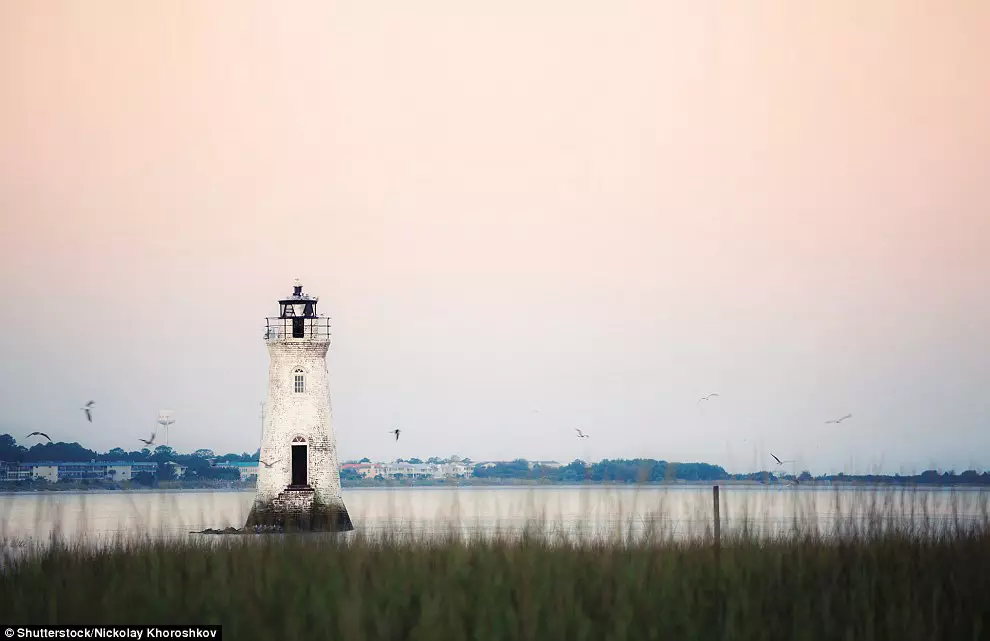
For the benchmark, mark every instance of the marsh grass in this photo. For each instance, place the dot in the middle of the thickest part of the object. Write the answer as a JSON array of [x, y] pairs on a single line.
[[895, 565]]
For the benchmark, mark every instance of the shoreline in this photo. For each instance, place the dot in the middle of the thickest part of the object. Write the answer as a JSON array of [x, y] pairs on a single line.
[[516, 486]]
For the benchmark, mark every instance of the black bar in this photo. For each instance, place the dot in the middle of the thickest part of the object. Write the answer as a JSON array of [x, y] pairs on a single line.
[[111, 631]]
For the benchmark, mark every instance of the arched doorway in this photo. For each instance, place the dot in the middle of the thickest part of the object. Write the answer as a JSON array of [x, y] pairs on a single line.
[[300, 476]]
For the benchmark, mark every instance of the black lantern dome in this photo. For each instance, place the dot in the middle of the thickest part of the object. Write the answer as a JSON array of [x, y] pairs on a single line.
[[299, 305]]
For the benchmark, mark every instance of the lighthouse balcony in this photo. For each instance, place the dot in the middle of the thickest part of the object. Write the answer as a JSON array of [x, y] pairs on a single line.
[[300, 329]]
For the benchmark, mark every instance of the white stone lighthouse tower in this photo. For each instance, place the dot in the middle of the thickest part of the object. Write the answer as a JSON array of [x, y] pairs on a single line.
[[298, 477]]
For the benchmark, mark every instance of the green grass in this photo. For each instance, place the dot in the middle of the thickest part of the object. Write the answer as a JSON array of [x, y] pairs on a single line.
[[872, 579], [866, 575]]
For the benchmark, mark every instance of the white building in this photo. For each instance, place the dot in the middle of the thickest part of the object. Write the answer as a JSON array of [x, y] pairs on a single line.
[[55, 471], [299, 480], [418, 470], [178, 469], [246, 469], [408, 470], [454, 469], [45, 472]]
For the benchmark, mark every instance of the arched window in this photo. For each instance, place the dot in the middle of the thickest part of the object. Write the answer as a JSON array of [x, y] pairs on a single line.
[[300, 381]]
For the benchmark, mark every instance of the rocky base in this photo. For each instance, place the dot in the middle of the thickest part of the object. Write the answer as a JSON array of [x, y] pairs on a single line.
[[295, 510], [244, 530]]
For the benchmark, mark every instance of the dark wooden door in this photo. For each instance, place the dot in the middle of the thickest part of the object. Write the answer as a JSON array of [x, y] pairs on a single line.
[[299, 476]]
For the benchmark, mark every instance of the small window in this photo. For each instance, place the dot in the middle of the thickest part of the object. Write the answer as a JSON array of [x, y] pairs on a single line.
[[300, 381]]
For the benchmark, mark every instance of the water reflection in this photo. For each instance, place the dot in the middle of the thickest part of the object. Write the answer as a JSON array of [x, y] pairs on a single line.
[[571, 511]]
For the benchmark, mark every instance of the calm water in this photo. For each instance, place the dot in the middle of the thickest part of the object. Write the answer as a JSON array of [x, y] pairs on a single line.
[[585, 510]]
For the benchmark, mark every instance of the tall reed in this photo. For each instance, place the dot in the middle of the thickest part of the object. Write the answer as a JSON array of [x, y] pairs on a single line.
[[863, 573]]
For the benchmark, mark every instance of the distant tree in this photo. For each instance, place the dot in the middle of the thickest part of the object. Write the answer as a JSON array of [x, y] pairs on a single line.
[[349, 475], [203, 453], [59, 451], [220, 473], [164, 453], [517, 469], [365, 460], [116, 454], [970, 476], [573, 472], [166, 472], [10, 450], [415, 461], [146, 479], [436, 460]]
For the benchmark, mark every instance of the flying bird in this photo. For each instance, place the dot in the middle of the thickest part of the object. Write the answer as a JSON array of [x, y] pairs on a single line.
[[396, 431], [39, 434], [88, 408], [705, 398], [581, 434], [779, 462], [267, 464], [839, 420], [149, 441]]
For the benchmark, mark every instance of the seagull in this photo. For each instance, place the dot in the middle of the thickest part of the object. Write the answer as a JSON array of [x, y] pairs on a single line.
[[88, 408], [581, 434], [396, 432], [705, 398], [39, 434], [148, 442], [779, 462], [267, 464], [839, 420]]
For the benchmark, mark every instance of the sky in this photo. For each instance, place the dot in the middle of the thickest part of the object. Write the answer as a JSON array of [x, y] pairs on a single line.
[[598, 210]]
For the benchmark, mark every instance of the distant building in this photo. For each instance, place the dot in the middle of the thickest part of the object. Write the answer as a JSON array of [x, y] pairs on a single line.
[[246, 469], [454, 469], [408, 470], [177, 469], [364, 470], [54, 471]]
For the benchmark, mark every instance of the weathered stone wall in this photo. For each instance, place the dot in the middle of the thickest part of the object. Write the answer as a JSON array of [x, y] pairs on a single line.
[[298, 510], [290, 414]]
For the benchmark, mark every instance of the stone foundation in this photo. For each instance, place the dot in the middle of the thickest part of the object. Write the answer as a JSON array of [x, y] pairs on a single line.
[[296, 509]]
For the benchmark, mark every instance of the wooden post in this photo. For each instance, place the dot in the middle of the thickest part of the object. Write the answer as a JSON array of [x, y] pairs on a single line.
[[717, 520]]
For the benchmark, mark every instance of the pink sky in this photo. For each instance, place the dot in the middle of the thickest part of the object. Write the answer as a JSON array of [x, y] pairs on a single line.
[[604, 210]]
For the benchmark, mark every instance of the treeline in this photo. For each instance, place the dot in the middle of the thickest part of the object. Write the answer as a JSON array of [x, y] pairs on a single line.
[[199, 464], [653, 471], [613, 470]]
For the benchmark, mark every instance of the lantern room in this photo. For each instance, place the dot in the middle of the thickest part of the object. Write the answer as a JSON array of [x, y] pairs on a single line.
[[297, 318]]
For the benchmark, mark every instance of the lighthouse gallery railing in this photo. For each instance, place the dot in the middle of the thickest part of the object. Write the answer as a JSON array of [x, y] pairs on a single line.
[[298, 328]]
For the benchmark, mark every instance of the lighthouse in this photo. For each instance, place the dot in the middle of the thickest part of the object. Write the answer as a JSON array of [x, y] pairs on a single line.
[[298, 477]]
